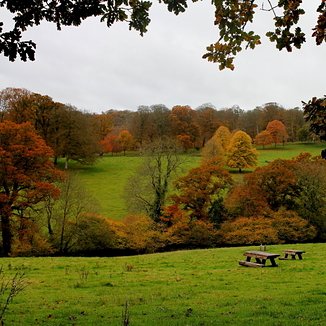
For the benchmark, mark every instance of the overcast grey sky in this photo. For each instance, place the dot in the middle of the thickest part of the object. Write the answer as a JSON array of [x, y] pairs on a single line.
[[96, 68]]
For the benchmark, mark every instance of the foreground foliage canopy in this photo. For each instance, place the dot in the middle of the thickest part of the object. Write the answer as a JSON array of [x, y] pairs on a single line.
[[232, 17]]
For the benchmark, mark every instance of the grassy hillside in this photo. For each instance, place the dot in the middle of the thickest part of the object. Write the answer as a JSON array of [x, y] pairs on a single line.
[[198, 287], [107, 178]]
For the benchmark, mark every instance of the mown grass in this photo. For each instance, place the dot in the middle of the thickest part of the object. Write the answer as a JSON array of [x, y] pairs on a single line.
[[106, 180], [196, 287]]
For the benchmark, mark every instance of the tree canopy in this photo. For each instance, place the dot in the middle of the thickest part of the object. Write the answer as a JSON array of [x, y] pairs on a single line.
[[232, 17]]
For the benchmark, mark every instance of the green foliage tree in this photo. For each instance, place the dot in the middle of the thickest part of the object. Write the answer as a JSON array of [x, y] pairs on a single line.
[[315, 114], [147, 189], [240, 152], [78, 140]]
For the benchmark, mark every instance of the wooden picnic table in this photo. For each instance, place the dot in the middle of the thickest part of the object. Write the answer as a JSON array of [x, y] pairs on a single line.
[[292, 253], [261, 259]]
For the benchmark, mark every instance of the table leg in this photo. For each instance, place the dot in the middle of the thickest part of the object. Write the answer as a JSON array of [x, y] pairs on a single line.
[[273, 262], [299, 255], [248, 258]]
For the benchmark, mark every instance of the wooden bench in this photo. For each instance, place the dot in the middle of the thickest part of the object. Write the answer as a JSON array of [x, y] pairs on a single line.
[[261, 258], [292, 253]]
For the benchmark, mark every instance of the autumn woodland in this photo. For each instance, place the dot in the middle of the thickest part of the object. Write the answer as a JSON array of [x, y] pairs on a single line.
[[225, 200]]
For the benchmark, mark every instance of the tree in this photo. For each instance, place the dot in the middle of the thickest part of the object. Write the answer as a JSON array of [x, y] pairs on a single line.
[[184, 122], [303, 134], [111, 144], [26, 174], [147, 189], [240, 153], [125, 140], [197, 190], [263, 138], [232, 17], [223, 135], [207, 120], [140, 233], [212, 148], [64, 215], [315, 114], [278, 132], [78, 140]]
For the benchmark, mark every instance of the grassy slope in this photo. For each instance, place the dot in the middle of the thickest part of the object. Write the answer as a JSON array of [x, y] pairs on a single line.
[[107, 178], [197, 287]]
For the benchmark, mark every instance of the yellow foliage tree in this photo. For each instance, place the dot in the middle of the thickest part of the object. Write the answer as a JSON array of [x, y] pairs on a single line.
[[140, 233], [240, 152], [223, 135]]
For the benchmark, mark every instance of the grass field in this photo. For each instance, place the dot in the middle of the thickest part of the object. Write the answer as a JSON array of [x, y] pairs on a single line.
[[106, 179], [195, 287]]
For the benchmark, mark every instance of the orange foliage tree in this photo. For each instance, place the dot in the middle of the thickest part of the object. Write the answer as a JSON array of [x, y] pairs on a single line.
[[26, 174], [182, 231], [140, 233], [111, 144], [278, 131], [184, 122], [200, 187], [126, 140], [279, 227], [267, 188], [263, 138]]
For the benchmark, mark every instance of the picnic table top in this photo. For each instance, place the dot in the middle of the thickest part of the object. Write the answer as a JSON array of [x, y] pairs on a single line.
[[293, 251], [260, 254]]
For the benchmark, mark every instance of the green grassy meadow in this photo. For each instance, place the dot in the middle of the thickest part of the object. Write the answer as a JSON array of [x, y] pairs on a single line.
[[107, 179], [195, 287]]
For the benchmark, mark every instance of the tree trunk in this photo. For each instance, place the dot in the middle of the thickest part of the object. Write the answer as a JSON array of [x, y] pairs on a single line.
[[66, 162], [6, 231]]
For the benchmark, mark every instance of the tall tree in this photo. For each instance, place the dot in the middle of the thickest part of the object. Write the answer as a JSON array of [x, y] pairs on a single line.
[[125, 140], [223, 135], [147, 189], [78, 140], [208, 121], [184, 122], [240, 153], [26, 174], [278, 131], [213, 148]]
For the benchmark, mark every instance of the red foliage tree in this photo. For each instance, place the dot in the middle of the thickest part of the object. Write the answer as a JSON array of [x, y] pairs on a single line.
[[26, 174]]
